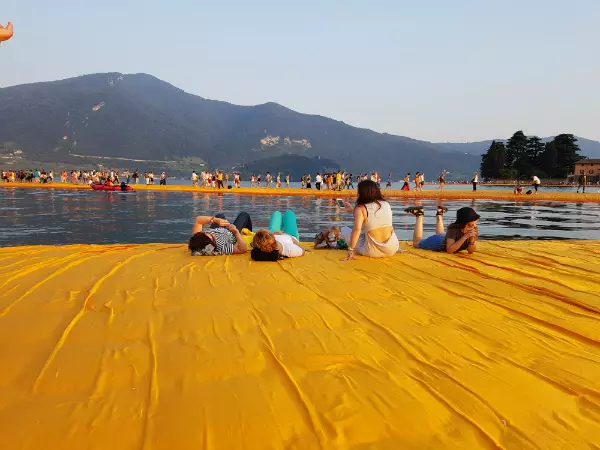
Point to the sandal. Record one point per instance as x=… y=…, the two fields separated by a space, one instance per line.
x=441 y=210
x=415 y=210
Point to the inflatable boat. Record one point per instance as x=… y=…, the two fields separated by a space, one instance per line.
x=117 y=188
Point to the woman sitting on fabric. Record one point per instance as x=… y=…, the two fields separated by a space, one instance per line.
x=461 y=235
x=222 y=238
x=281 y=240
x=373 y=215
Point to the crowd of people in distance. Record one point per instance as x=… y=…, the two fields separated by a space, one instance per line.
x=110 y=177
x=338 y=181
x=371 y=235
x=217 y=179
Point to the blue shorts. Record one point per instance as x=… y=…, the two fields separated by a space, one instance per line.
x=435 y=243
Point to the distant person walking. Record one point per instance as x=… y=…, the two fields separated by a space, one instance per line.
x=163 y=179
x=406 y=185
x=582 y=182
x=474 y=181
x=308 y=179
x=287 y=181
x=318 y=181
x=442 y=180
x=536 y=182
x=418 y=185
x=349 y=183
x=388 y=185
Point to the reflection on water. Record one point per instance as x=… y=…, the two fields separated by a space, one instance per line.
x=56 y=217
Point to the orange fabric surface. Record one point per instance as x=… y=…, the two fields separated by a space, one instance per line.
x=127 y=347
x=591 y=196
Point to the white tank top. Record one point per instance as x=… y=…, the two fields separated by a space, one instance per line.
x=378 y=216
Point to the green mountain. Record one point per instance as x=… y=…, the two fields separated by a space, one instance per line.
x=140 y=121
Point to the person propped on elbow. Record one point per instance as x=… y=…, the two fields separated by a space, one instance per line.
x=461 y=235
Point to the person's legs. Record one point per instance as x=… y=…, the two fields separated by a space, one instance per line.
x=417 y=211
x=290 y=224
x=218 y=216
x=439 y=224
x=418 y=231
x=243 y=221
x=276 y=222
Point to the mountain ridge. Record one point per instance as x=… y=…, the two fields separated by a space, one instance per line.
x=139 y=116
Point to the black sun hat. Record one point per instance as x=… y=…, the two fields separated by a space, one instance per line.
x=466 y=215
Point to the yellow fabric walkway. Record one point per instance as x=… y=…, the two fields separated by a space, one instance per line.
x=592 y=194
x=144 y=347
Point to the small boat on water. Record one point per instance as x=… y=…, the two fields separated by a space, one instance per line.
x=114 y=188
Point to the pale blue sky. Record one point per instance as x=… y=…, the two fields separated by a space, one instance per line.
x=439 y=70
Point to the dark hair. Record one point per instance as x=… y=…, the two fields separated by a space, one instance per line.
x=258 y=255
x=368 y=192
x=198 y=241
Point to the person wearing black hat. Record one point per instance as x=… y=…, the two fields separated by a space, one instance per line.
x=461 y=235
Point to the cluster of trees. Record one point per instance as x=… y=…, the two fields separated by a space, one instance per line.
x=522 y=156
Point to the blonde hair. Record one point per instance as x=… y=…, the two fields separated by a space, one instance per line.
x=265 y=241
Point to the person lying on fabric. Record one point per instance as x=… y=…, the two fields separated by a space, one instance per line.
x=279 y=241
x=461 y=235
x=6 y=33
x=222 y=238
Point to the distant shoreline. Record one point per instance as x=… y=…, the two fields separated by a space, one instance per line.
x=466 y=194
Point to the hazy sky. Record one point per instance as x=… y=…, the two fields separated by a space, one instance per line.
x=439 y=70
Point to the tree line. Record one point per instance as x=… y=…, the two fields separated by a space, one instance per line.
x=521 y=156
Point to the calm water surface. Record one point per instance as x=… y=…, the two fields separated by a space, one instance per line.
x=32 y=216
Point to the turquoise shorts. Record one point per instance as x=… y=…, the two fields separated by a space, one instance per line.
x=435 y=243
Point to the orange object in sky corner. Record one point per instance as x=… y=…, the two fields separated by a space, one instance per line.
x=6 y=33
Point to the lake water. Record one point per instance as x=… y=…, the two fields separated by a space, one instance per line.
x=32 y=216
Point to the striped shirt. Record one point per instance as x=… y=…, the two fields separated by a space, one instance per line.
x=224 y=240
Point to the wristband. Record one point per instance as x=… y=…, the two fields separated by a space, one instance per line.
x=350 y=249
x=212 y=219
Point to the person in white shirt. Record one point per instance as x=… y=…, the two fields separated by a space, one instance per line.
x=279 y=241
x=318 y=181
x=536 y=182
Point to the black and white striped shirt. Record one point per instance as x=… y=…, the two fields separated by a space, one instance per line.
x=224 y=240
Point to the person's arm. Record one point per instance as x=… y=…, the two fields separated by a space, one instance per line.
x=202 y=220
x=240 y=247
x=472 y=248
x=452 y=246
x=356 y=229
x=297 y=244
